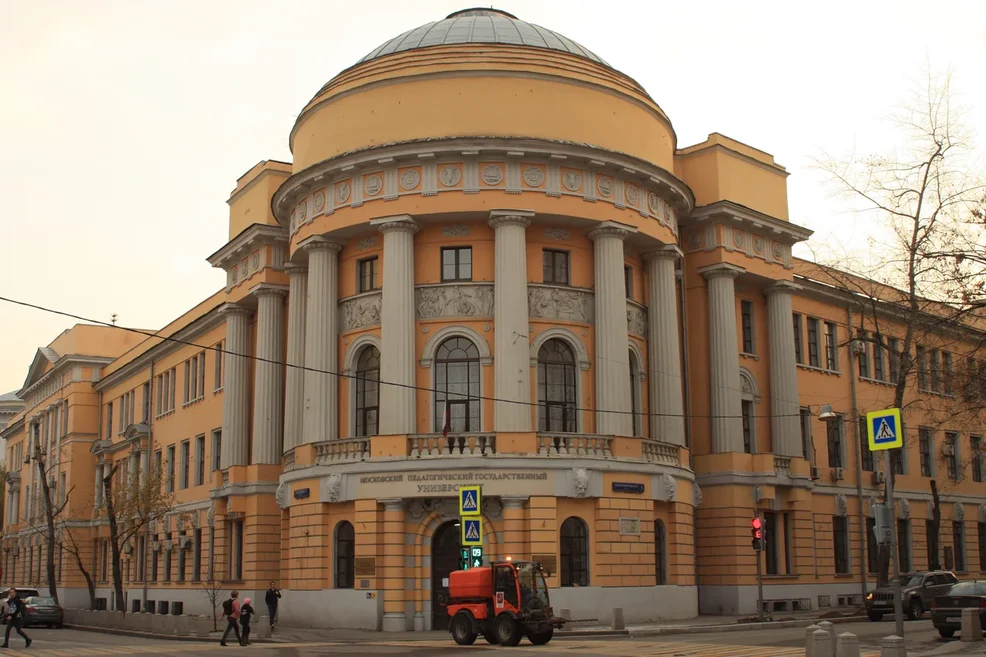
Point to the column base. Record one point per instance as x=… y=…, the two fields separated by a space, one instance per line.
x=394 y=622
x=419 y=622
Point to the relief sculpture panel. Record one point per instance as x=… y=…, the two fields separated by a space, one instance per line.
x=435 y=301
x=566 y=304
x=636 y=320
x=359 y=312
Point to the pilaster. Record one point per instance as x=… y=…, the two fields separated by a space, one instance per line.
x=667 y=420
x=724 y=379
x=514 y=528
x=784 y=404
x=268 y=384
x=321 y=399
x=512 y=360
x=392 y=582
x=236 y=386
x=294 y=378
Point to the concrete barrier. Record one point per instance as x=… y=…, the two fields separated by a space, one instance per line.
x=847 y=645
x=821 y=644
x=262 y=628
x=809 y=640
x=203 y=626
x=170 y=625
x=157 y=624
x=618 y=623
x=830 y=628
x=893 y=646
x=972 y=627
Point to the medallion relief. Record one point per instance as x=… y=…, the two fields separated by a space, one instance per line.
x=450 y=176
x=458 y=230
x=410 y=179
x=572 y=180
x=557 y=233
x=437 y=301
x=373 y=185
x=533 y=176
x=492 y=174
x=566 y=304
x=636 y=320
x=360 y=312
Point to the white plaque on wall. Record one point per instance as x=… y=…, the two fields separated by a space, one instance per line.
x=629 y=526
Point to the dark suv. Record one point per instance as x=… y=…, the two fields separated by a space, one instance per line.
x=917 y=589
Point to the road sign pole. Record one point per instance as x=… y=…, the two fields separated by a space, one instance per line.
x=759 y=586
x=898 y=603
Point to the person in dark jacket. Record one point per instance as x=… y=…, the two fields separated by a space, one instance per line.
x=246 y=613
x=272 y=597
x=14 y=617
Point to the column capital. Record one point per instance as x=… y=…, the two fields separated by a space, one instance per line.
x=721 y=270
x=318 y=243
x=666 y=252
x=520 y=218
x=295 y=269
x=393 y=503
x=401 y=223
x=781 y=287
x=230 y=309
x=265 y=289
x=514 y=501
x=611 y=229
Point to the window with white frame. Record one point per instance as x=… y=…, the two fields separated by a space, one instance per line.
x=194 y=378
x=219 y=352
x=831 y=347
x=166 y=384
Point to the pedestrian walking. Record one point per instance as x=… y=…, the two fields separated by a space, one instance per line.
x=231 y=610
x=246 y=613
x=272 y=597
x=14 y=616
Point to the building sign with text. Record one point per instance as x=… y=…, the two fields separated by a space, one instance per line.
x=430 y=484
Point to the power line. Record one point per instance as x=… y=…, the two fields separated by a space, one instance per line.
x=304 y=368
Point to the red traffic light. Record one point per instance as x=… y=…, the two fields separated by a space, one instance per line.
x=757 y=528
x=757 y=523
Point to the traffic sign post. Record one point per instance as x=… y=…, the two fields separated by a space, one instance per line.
x=470 y=501
x=472 y=532
x=885 y=431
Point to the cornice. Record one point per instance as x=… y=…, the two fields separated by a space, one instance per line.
x=237 y=193
x=249 y=239
x=736 y=214
x=11 y=429
x=167 y=346
x=699 y=148
x=60 y=366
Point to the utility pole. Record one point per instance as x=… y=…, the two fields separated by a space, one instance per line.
x=898 y=603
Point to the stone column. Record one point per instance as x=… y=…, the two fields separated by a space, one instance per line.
x=134 y=467
x=98 y=498
x=785 y=424
x=294 y=379
x=321 y=401
x=512 y=350
x=397 y=352
x=514 y=533
x=145 y=464
x=268 y=381
x=667 y=421
x=392 y=583
x=612 y=364
x=236 y=387
x=726 y=406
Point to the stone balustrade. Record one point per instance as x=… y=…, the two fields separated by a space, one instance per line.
x=656 y=451
x=565 y=444
x=782 y=465
x=346 y=450
x=462 y=445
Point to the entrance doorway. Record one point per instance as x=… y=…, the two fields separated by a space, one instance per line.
x=444 y=559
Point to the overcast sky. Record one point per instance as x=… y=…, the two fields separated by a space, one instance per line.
x=124 y=124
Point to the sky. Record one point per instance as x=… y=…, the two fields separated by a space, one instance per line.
x=124 y=124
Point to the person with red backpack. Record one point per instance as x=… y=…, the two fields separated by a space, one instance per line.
x=231 y=610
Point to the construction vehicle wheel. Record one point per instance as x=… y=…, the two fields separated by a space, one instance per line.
x=462 y=630
x=542 y=637
x=507 y=630
x=490 y=637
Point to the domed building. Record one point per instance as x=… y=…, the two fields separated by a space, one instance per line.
x=489 y=263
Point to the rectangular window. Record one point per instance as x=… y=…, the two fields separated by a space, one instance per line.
x=893 y=358
x=170 y=477
x=189 y=390
x=123 y=414
x=236 y=563
x=814 y=343
x=195 y=378
x=166 y=383
x=879 y=373
x=864 y=358
x=903 y=544
x=146 y=412
x=976 y=454
x=200 y=460
x=922 y=357
x=799 y=356
x=951 y=449
x=157 y=463
x=167 y=559
x=197 y=556
x=104 y=562
x=628 y=280
x=840 y=534
x=185 y=449
x=835 y=431
x=926 y=442
x=217 y=449
x=182 y=558
x=218 y=374
x=931 y=540
x=897 y=459
x=154 y=560
x=746 y=314
x=936 y=384
x=747 y=426
x=806 y=443
x=866 y=456
x=554 y=267
x=872 y=547
x=831 y=347
x=982 y=546
x=109 y=421
x=958 y=545
x=946 y=364
x=457 y=263
x=772 y=534
x=367 y=275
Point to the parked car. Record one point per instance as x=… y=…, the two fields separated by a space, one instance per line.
x=946 y=610
x=23 y=593
x=42 y=611
x=918 y=590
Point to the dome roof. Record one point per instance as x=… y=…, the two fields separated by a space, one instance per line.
x=481 y=26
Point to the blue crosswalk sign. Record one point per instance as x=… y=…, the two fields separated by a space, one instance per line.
x=472 y=531
x=470 y=501
x=883 y=429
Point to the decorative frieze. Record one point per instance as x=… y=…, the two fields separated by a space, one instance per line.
x=439 y=301
x=360 y=312
x=561 y=303
x=636 y=319
x=711 y=236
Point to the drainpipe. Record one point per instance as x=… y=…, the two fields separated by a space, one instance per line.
x=859 y=453
x=150 y=469
x=680 y=275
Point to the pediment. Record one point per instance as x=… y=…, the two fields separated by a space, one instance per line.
x=98 y=446
x=136 y=432
x=44 y=359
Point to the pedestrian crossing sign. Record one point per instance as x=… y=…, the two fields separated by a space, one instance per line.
x=470 y=501
x=883 y=429
x=472 y=531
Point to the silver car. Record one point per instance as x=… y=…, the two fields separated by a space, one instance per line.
x=43 y=611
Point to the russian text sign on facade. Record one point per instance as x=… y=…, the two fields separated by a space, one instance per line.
x=470 y=502
x=472 y=531
x=883 y=429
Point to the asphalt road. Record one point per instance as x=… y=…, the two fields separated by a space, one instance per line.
x=764 y=643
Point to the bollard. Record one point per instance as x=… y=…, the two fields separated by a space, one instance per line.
x=893 y=646
x=204 y=626
x=847 y=645
x=618 y=623
x=972 y=627
x=809 y=638
x=830 y=628
x=821 y=644
x=263 y=627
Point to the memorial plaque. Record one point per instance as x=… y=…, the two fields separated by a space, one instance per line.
x=548 y=561
x=629 y=526
x=365 y=566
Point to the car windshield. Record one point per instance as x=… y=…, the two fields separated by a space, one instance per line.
x=911 y=580
x=968 y=588
x=532 y=585
x=42 y=602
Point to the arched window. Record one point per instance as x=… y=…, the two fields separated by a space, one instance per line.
x=660 y=553
x=574 y=569
x=635 y=393
x=556 y=387
x=457 y=380
x=368 y=391
x=345 y=548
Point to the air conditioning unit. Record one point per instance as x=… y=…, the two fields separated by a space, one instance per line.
x=814 y=473
x=879 y=478
x=948 y=450
x=838 y=474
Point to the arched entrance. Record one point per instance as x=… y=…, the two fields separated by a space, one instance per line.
x=444 y=559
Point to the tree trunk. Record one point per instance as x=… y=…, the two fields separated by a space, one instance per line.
x=934 y=563
x=50 y=518
x=90 y=584
x=114 y=542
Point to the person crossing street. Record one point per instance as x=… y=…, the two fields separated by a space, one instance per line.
x=14 y=616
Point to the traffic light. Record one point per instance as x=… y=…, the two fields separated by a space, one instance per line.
x=475 y=557
x=756 y=527
x=464 y=558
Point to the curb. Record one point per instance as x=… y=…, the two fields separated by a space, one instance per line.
x=134 y=633
x=740 y=627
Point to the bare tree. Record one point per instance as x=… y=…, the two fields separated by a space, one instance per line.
x=136 y=502
x=926 y=283
x=216 y=592
x=41 y=459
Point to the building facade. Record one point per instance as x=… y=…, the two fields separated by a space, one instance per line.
x=484 y=221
